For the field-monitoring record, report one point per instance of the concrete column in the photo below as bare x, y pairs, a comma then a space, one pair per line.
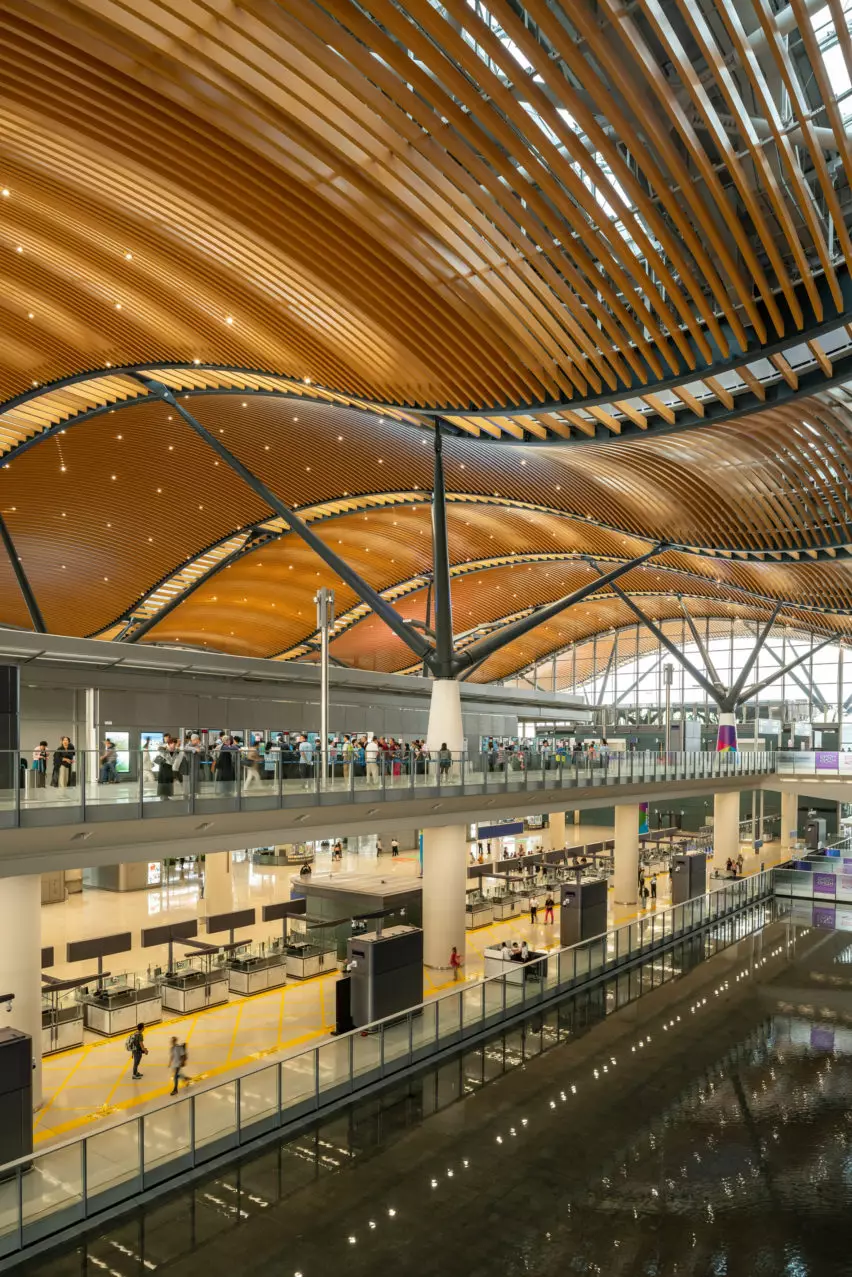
20, 961
558, 838
726, 828
218, 885
626, 853
444, 883
444, 868
577, 816
789, 818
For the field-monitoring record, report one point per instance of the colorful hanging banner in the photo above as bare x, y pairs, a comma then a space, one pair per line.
726, 741
643, 818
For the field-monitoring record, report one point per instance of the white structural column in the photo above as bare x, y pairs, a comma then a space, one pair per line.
445, 848
558, 839
444, 884
626, 878
789, 818
20, 961
726, 828
218, 885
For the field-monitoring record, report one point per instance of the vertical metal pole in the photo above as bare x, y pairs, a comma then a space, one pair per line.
839, 699
324, 600
668, 675
441, 589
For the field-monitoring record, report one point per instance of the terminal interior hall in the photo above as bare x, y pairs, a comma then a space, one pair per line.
425, 597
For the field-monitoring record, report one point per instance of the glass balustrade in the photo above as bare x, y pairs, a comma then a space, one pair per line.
148, 785
48, 1191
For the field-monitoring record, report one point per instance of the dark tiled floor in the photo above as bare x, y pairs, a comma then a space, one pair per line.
719, 1146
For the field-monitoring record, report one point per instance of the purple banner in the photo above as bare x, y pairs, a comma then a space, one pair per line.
822, 1038
823, 916
824, 884
826, 760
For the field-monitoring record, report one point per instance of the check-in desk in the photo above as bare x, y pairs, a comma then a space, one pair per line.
499, 962
118, 1008
61, 1026
255, 972
192, 989
511, 905
478, 914
307, 960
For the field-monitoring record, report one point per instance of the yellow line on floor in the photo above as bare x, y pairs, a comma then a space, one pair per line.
135, 1100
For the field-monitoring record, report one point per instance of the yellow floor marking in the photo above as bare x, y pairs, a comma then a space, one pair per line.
135, 1100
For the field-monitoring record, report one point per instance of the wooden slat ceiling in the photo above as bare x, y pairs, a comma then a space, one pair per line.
117, 516
431, 205
616, 227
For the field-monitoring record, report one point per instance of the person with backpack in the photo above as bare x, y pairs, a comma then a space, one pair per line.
177, 1059
135, 1044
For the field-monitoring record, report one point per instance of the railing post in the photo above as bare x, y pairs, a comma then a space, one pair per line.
81, 758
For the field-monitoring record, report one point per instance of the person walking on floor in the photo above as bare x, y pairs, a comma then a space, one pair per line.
178, 1057
394, 847
533, 908
136, 1046
548, 909
654, 888
455, 962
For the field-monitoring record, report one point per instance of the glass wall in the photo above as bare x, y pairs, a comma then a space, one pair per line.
622, 672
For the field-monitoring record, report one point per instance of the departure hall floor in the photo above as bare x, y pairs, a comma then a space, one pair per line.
89, 1084
689, 1116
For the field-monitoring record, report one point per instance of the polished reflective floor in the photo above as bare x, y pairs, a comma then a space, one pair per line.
690, 1116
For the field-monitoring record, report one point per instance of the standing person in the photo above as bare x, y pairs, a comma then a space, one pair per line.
63, 763
379, 847
348, 753
533, 908
168, 761
548, 909
108, 760
40, 764
178, 1057
306, 761
135, 1044
394, 847
455, 962
224, 763
445, 759
371, 755
147, 765
654, 888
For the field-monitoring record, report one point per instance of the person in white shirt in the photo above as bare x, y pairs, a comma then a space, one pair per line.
371, 754
533, 908
525, 951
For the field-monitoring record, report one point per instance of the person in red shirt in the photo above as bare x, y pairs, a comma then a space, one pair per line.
455, 962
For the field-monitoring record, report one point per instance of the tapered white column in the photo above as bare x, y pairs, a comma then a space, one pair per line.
444, 867
20, 962
789, 819
626, 877
445, 718
558, 839
726, 737
444, 887
726, 828
218, 885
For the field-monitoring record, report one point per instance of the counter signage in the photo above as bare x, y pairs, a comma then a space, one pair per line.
824, 884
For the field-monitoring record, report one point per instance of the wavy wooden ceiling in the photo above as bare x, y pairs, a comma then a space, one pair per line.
437, 204
105, 511
332, 209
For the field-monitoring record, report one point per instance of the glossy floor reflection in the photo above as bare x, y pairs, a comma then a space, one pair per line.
689, 1116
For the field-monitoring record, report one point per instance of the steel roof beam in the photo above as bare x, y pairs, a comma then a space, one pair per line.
416, 642
758, 687
494, 642
669, 645
23, 580
738, 685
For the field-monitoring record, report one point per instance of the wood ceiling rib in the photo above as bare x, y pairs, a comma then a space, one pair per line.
443, 206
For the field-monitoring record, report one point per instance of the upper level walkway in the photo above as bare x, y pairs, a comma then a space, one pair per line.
234, 804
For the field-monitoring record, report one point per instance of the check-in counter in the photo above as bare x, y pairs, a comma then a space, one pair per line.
119, 1008
510, 906
478, 915
61, 1028
499, 962
193, 990
254, 972
307, 960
